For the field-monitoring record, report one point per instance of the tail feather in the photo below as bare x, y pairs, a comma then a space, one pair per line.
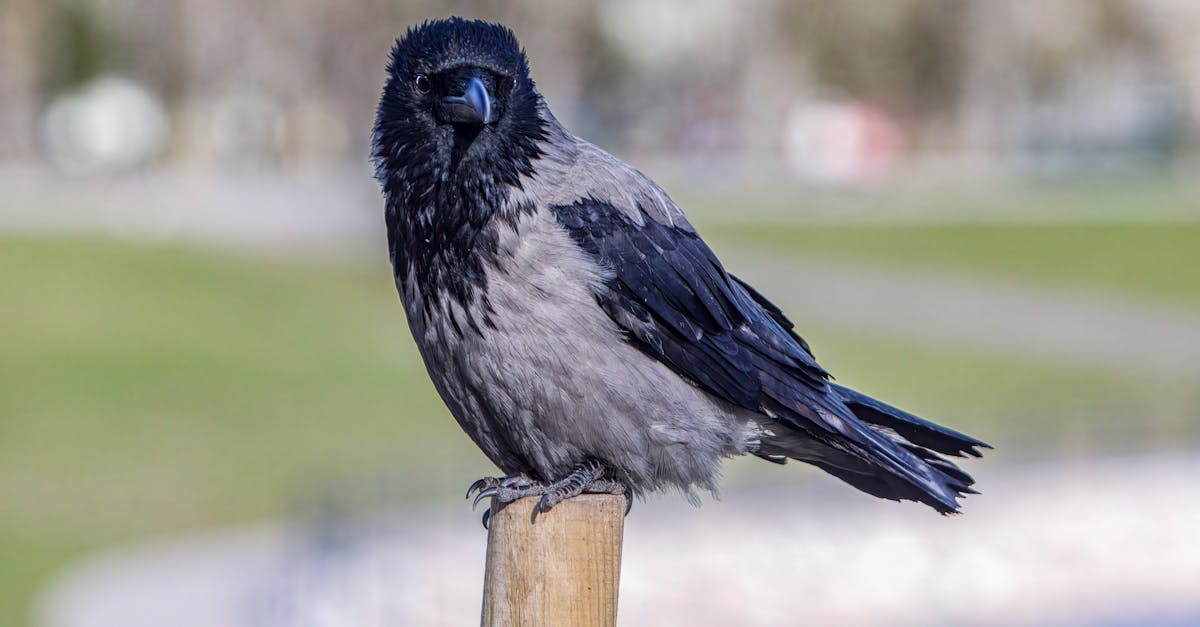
912, 428
892, 487
902, 461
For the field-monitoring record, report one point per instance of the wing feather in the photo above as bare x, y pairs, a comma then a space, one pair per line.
671, 295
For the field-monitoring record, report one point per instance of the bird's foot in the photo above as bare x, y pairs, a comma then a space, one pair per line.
505, 489
585, 478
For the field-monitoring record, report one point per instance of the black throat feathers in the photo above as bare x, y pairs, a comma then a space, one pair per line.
442, 204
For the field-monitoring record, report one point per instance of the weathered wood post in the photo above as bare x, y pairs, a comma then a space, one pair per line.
563, 569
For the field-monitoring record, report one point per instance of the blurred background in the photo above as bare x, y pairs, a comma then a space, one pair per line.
211, 411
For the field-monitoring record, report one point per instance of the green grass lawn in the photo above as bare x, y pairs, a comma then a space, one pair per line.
1158, 263
154, 389
146, 390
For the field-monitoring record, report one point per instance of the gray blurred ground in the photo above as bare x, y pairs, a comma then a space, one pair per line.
1112, 542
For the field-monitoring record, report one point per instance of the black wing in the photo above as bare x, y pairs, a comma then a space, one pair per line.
677, 303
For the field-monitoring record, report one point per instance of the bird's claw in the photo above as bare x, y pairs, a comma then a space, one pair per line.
504, 489
543, 505
483, 494
485, 483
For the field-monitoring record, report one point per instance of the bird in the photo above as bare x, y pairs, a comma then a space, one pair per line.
574, 322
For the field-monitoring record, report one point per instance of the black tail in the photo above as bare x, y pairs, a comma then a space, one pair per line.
903, 462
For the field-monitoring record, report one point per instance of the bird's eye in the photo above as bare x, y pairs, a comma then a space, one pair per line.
423, 84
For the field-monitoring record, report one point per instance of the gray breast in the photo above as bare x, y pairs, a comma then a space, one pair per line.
550, 381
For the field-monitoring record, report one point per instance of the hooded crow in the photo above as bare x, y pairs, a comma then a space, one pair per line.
577, 326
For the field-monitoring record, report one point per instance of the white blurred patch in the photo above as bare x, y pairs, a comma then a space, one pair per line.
830, 142
656, 35
107, 125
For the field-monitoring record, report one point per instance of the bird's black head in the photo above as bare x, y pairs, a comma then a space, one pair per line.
459, 123
458, 102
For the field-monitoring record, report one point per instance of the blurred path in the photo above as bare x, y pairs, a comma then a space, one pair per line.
1005, 318
1099, 542
327, 213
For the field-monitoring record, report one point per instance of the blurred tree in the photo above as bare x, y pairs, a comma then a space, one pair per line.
77, 49
905, 55
958, 74
20, 21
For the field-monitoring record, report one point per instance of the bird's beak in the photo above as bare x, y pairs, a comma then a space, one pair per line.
473, 107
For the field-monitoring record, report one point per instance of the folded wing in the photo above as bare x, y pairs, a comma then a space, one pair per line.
676, 302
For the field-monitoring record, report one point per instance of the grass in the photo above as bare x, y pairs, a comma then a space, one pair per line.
1034, 408
146, 389
151, 389
1158, 263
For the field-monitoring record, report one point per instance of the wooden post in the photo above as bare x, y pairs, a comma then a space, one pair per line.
563, 569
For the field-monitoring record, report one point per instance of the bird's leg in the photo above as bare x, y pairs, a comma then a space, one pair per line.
586, 477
